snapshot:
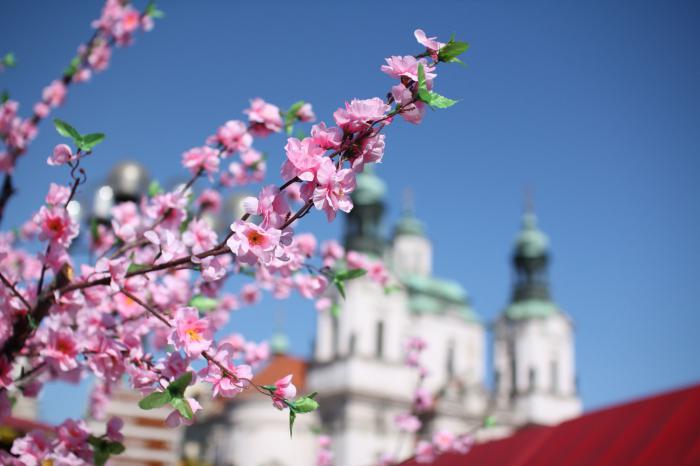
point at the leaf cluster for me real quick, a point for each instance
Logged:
(174, 394)
(84, 142)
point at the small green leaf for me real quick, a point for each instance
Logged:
(89, 141)
(423, 92)
(341, 287)
(292, 418)
(450, 51)
(155, 400)
(306, 404)
(134, 267)
(203, 303)
(439, 101)
(152, 11)
(154, 188)
(270, 388)
(100, 457)
(9, 60)
(489, 421)
(94, 231)
(72, 67)
(291, 116)
(115, 448)
(182, 407)
(178, 386)
(94, 441)
(66, 130)
(350, 274)
(335, 310)
(4, 97)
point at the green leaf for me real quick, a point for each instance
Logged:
(4, 97)
(72, 67)
(89, 141)
(439, 101)
(66, 130)
(115, 448)
(154, 188)
(182, 407)
(341, 287)
(450, 51)
(155, 400)
(100, 457)
(203, 303)
(9, 60)
(178, 386)
(292, 418)
(350, 274)
(306, 404)
(291, 116)
(423, 92)
(489, 421)
(134, 267)
(335, 310)
(270, 388)
(152, 11)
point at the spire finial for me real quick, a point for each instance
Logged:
(408, 208)
(279, 343)
(528, 199)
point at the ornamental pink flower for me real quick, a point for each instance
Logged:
(429, 43)
(116, 268)
(407, 423)
(105, 359)
(407, 66)
(32, 448)
(423, 400)
(223, 385)
(114, 427)
(306, 242)
(333, 190)
(306, 113)
(271, 205)
(233, 136)
(41, 110)
(126, 221)
(201, 158)
(62, 154)
(56, 225)
(209, 201)
(55, 93)
(443, 440)
(213, 268)
(284, 390)
(191, 333)
(327, 138)
(58, 195)
(264, 118)
(331, 251)
(372, 152)
(252, 243)
(412, 112)
(199, 236)
(359, 114)
(425, 452)
(303, 159)
(61, 350)
(310, 286)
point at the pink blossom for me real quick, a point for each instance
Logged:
(126, 221)
(223, 384)
(233, 136)
(303, 159)
(171, 207)
(61, 154)
(306, 242)
(333, 190)
(58, 195)
(284, 390)
(311, 286)
(425, 452)
(407, 423)
(331, 251)
(99, 56)
(323, 304)
(256, 353)
(117, 269)
(462, 444)
(114, 427)
(326, 138)
(106, 360)
(250, 294)
(56, 225)
(32, 448)
(372, 151)
(201, 158)
(264, 118)
(41, 110)
(443, 440)
(252, 243)
(213, 268)
(430, 43)
(306, 113)
(407, 66)
(359, 114)
(61, 350)
(423, 400)
(191, 333)
(412, 112)
(55, 93)
(209, 201)
(271, 205)
(199, 236)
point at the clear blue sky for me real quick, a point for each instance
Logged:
(595, 104)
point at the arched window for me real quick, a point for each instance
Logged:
(554, 376)
(450, 359)
(532, 379)
(379, 343)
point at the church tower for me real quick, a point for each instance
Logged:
(535, 373)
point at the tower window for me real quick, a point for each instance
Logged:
(352, 344)
(451, 359)
(379, 343)
(554, 376)
(532, 379)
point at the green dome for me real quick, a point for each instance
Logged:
(409, 225)
(279, 343)
(531, 241)
(531, 308)
(369, 188)
(430, 295)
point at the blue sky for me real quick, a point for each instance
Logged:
(596, 105)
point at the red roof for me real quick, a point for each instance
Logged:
(660, 430)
